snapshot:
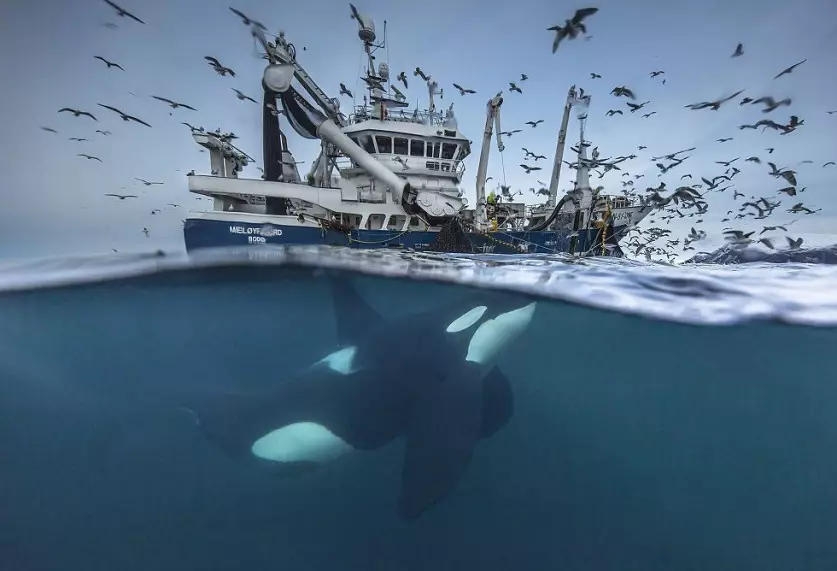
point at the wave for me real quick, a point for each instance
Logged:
(706, 294)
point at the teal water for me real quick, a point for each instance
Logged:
(664, 418)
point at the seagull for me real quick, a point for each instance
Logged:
(534, 123)
(219, 69)
(419, 73)
(173, 104)
(110, 64)
(77, 113)
(247, 21)
(647, 115)
(771, 104)
(656, 73)
(739, 50)
(345, 91)
(619, 91)
(121, 196)
(78, 139)
(243, 97)
(122, 12)
(571, 27)
(125, 117)
(89, 157)
(715, 105)
(462, 90)
(514, 87)
(105, 133)
(790, 69)
(402, 77)
(145, 182)
(595, 76)
(49, 130)
(523, 77)
(634, 107)
(529, 169)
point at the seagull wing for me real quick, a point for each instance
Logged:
(212, 61)
(131, 118)
(187, 106)
(114, 109)
(583, 13)
(169, 101)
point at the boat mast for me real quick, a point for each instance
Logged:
(492, 120)
(559, 150)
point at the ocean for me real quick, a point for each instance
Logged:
(665, 418)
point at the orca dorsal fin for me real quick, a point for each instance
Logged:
(351, 312)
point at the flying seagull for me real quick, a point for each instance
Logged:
(242, 97)
(77, 113)
(110, 64)
(462, 90)
(739, 50)
(790, 69)
(173, 104)
(121, 196)
(49, 129)
(219, 69)
(125, 117)
(571, 27)
(247, 21)
(122, 12)
(145, 182)
(88, 157)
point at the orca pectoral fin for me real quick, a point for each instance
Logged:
(352, 313)
(497, 402)
(442, 430)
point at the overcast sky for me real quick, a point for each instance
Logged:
(53, 201)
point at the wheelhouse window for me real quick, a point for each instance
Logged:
(433, 150)
(400, 146)
(448, 151)
(366, 142)
(416, 148)
(384, 144)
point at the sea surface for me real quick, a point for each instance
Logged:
(665, 418)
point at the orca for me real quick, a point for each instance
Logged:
(429, 377)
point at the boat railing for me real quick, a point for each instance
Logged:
(364, 113)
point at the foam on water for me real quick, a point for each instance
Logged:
(699, 294)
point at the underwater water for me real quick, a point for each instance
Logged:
(664, 418)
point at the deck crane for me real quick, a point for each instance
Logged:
(492, 121)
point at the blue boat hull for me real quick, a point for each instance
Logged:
(204, 233)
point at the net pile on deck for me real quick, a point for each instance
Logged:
(451, 238)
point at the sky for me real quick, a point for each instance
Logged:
(54, 203)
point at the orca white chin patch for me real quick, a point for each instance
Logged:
(494, 335)
(466, 320)
(300, 442)
(341, 361)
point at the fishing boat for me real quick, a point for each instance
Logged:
(390, 177)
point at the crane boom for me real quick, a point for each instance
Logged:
(492, 121)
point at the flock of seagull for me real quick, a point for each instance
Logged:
(688, 200)
(217, 66)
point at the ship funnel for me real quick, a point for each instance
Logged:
(277, 77)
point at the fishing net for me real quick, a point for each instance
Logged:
(451, 238)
